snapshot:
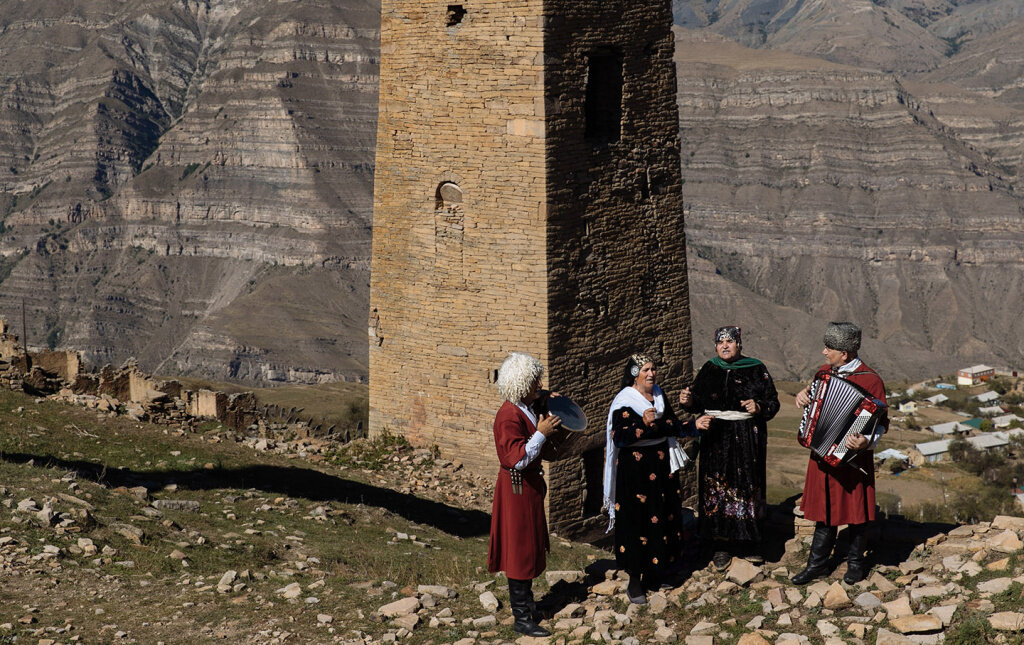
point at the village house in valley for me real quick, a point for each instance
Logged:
(974, 375)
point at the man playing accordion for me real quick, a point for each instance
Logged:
(843, 494)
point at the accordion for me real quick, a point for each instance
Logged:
(838, 408)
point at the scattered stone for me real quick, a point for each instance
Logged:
(1007, 621)
(572, 610)
(664, 633)
(700, 639)
(1008, 522)
(438, 591)
(916, 624)
(28, 505)
(132, 533)
(898, 608)
(859, 630)
(409, 621)
(607, 587)
(1005, 542)
(911, 566)
(554, 577)
(489, 601)
(657, 603)
(943, 613)
(752, 638)
(995, 585)
(917, 594)
(826, 628)
(704, 627)
(998, 565)
(189, 505)
(400, 607)
(485, 621)
(742, 572)
(885, 637)
(294, 590)
(227, 580)
(867, 600)
(836, 597)
(87, 546)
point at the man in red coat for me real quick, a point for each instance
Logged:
(519, 530)
(845, 494)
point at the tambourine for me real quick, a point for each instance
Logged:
(572, 416)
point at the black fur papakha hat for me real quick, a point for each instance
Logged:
(842, 336)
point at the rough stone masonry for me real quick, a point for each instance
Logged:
(527, 197)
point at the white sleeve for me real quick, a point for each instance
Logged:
(533, 447)
(873, 439)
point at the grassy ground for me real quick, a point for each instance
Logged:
(272, 519)
(124, 558)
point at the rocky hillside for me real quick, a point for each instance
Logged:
(847, 170)
(113, 530)
(189, 182)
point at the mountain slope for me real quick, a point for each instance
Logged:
(162, 158)
(829, 192)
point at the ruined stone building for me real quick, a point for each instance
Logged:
(527, 198)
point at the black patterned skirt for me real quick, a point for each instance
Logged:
(648, 510)
(732, 481)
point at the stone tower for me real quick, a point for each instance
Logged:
(527, 197)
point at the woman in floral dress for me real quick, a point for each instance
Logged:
(739, 396)
(641, 494)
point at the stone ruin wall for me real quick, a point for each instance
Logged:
(457, 280)
(62, 375)
(554, 243)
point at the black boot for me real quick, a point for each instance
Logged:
(520, 597)
(817, 562)
(856, 562)
(635, 589)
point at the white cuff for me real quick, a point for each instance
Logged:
(533, 447)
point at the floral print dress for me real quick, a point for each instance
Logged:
(648, 527)
(731, 479)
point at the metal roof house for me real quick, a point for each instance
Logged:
(934, 451)
(950, 427)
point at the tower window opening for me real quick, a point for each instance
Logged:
(455, 14)
(603, 104)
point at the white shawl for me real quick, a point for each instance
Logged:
(630, 397)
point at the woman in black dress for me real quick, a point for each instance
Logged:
(640, 493)
(736, 397)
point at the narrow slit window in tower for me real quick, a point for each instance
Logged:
(603, 105)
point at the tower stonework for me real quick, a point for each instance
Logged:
(527, 197)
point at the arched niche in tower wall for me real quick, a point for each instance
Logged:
(449, 227)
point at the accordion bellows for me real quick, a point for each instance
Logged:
(838, 408)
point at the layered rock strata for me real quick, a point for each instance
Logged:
(825, 192)
(169, 166)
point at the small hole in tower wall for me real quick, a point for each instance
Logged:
(455, 14)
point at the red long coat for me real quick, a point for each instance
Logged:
(519, 530)
(844, 495)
